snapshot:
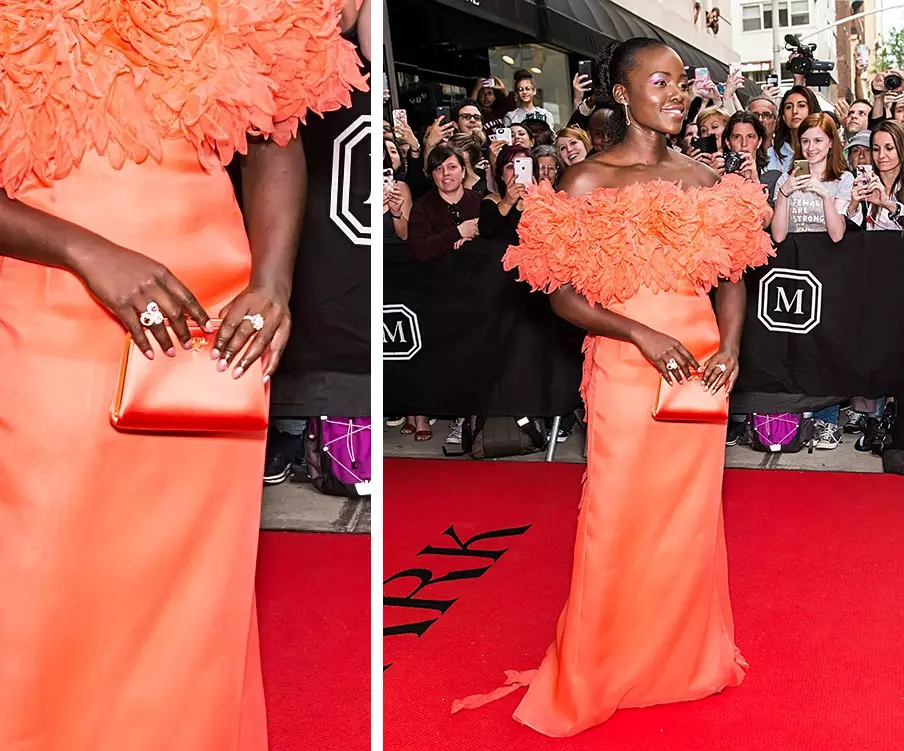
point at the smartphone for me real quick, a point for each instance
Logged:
(488, 83)
(399, 117)
(801, 167)
(864, 174)
(445, 112)
(502, 134)
(720, 87)
(524, 169)
(707, 144)
(734, 68)
(585, 68)
(689, 72)
(701, 74)
(388, 179)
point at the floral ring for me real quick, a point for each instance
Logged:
(151, 316)
(722, 366)
(672, 364)
(256, 321)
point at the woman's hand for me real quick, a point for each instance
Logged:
(721, 371)
(404, 133)
(717, 162)
(876, 194)
(515, 191)
(793, 184)
(495, 148)
(700, 156)
(580, 85)
(812, 185)
(734, 83)
(468, 229)
(748, 168)
(660, 349)
(235, 332)
(126, 283)
(395, 201)
(437, 133)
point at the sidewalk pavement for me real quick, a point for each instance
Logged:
(842, 459)
(300, 508)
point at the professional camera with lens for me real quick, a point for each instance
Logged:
(816, 71)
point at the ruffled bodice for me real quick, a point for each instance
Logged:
(119, 76)
(611, 242)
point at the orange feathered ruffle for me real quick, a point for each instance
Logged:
(609, 243)
(119, 76)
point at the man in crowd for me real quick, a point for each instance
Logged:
(469, 119)
(765, 110)
(525, 92)
(858, 150)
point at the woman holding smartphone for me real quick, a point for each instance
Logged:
(797, 104)
(881, 192)
(814, 198)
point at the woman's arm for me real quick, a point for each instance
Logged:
(834, 209)
(274, 190)
(782, 214)
(400, 219)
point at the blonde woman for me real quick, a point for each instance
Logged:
(572, 145)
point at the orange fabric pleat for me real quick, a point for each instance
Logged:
(648, 618)
(127, 618)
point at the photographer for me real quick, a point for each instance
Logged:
(797, 104)
(396, 196)
(883, 86)
(745, 135)
(500, 212)
(859, 151)
(493, 101)
(710, 122)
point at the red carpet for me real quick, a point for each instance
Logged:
(313, 604)
(816, 564)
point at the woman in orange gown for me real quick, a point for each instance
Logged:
(629, 250)
(127, 619)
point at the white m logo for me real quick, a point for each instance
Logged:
(797, 301)
(790, 301)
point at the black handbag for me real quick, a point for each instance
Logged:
(498, 437)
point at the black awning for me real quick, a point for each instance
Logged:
(518, 15)
(587, 26)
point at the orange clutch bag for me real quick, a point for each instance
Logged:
(186, 393)
(690, 402)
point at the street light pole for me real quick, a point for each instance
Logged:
(776, 42)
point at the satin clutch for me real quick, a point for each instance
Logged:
(690, 402)
(186, 393)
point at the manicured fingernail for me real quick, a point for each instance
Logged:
(208, 327)
(237, 373)
(187, 345)
(149, 354)
(266, 379)
(214, 354)
(222, 365)
(171, 352)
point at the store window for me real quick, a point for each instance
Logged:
(550, 69)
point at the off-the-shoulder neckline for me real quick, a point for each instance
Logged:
(657, 182)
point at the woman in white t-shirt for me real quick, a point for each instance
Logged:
(814, 202)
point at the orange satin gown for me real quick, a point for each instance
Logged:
(127, 618)
(648, 618)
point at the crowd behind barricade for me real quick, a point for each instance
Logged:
(831, 172)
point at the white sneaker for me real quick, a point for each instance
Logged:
(455, 432)
(827, 435)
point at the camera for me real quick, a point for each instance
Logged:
(816, 71)
(893, 82)
(732, 161)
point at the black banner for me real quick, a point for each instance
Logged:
(825, 319)
(463, 337)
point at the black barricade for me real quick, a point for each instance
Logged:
(462, 337)
(827, 318)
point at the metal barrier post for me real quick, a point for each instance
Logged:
(553, 436)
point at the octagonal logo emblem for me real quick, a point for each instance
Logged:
(350, 189)
(401, 333)
(790, 301)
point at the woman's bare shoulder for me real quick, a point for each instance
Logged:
(694, 174)
(588, 176)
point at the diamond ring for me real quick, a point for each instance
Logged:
(672, 364)
(722, 366)
(151, 316)
(256, 321)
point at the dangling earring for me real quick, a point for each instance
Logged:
(627, 119)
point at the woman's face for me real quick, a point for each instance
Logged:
(691, 132)
(712, 126)
(448, 176)
(795, 110)
(815, 145)
(885, 155)
(858, 155)
(598, 122)
(521, 137)
(657, 91)
(572, 150)
(549, 170)
(744, 139)
(486, 98)
(395, 159)
(898, 112)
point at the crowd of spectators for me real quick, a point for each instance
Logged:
(831, 172)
